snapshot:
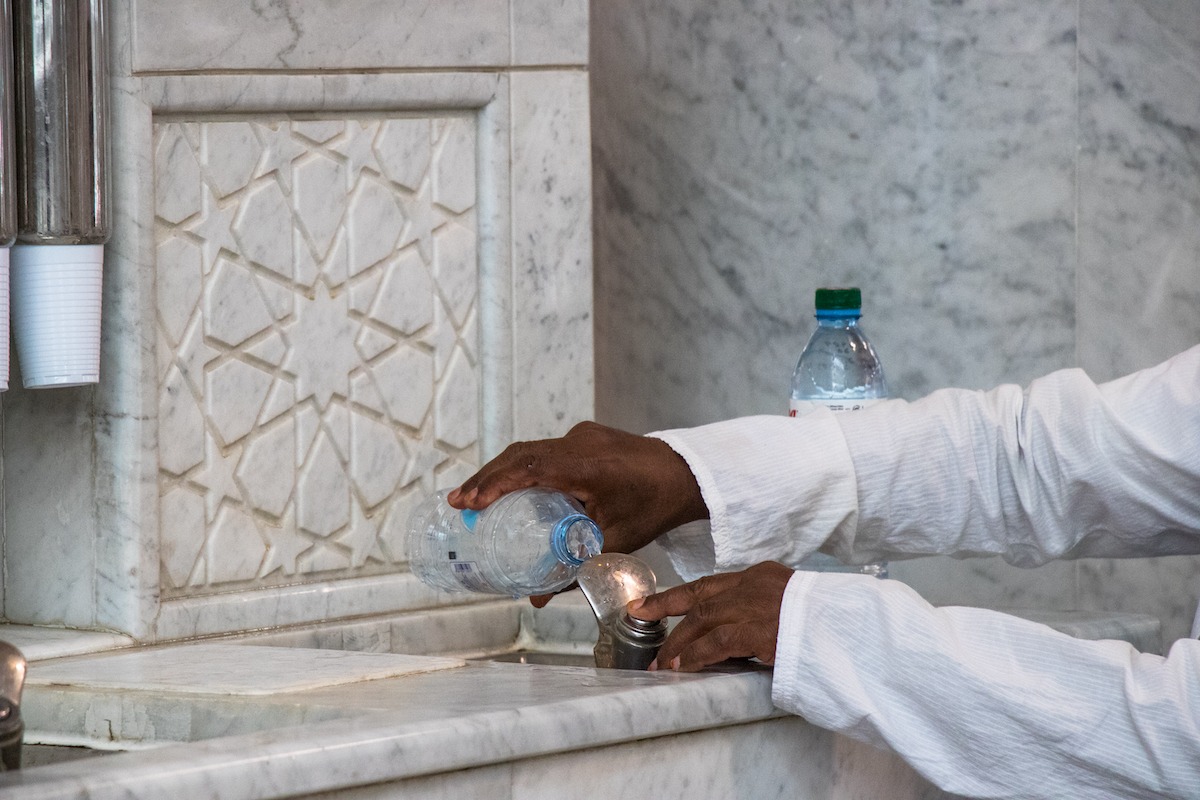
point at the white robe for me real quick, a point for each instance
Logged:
(981, 703)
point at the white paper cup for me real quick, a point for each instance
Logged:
(56, 313)
(3, 319)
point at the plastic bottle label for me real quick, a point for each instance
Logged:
(798, 408)
(467, 574)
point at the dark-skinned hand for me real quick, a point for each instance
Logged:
(728, 615)
(634, 487)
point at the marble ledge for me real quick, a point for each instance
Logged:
(39, 644)
(433, 723)
(179, 35)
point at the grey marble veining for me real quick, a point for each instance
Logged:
(747, 154)
(430, 723)
(37, 644)
(231, 669)
(381, 34)
(1139, 183)
(1014, 186)
(229, 36)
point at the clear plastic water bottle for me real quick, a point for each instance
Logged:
(839, 370)
(531, 541)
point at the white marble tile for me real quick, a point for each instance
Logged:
(276, 338)
(1139, 184)
(181, 36)
(550, 32)
(49, 524)
(189, 617)
(391, 729)
(40, 643)
(1166, 588)
(745, 156)
(236, 669)
(494, 783)
(990, 583)
(552, 254)
(784, 758)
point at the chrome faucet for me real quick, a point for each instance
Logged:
(12, 729)
(610, 581)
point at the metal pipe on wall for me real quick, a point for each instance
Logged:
(8, 204)
(63, 218)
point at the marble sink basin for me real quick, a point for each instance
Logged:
(94, 703)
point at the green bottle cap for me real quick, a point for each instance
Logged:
(848, 299)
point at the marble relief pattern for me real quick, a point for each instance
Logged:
(317, 341)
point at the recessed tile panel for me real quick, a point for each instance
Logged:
(316, 289)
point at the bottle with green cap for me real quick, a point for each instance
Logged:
(531, 541)
(839, 370)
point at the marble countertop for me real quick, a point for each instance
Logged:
(394, 728)
(257, 722)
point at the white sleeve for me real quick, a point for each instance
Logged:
(1063, 468)
(984, 704)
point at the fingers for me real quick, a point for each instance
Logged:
(682, 599)
(564, 464)
(733, 615)
(723, 643)
(518, 467)
(541, 600)
(634, 487)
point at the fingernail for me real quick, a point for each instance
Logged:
(675, 663)
(634, 605)
(653, 666)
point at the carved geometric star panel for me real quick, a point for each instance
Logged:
(318, 372)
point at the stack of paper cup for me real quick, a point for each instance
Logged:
(3, 319)
(56, 313)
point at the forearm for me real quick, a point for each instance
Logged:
(1063, 468)
(984, 704)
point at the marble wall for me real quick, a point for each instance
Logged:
(1016, 187)
(351, 260)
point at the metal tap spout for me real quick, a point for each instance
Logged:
(12, 728)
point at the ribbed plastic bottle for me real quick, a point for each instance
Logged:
(839, 370)
(531, 541)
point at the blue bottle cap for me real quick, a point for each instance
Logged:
(576, 538)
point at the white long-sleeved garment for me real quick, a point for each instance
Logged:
(981, 703)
